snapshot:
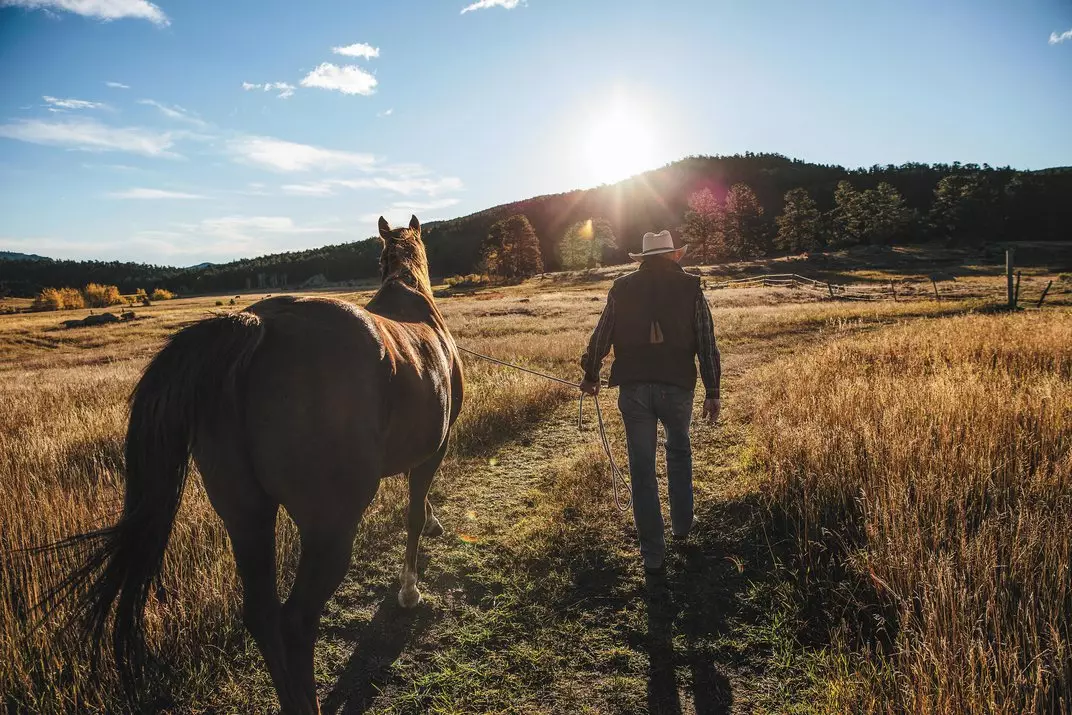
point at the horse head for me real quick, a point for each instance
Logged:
(403, 257)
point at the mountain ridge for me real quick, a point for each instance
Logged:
(652, 200)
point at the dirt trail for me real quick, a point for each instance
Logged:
(582, 622)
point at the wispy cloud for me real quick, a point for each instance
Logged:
(386, 112)
(1055, 38)
(234, 236)
(348, 79)
(407, 186)
(153, 194)
(175, 112)
(90, 135)
(72, 103)
(399, 211)
(484, 4)
(117, 85)
(280, 155)
(100, 9)
(285, 90)
(358, 49)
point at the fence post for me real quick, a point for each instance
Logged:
(1044, 292)
(1016, 293)
(830, 288)
(893, 290)
(1009, 292)
(935, 284)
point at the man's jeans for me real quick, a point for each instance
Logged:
(643, 406)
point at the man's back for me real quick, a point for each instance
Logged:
(653, 335)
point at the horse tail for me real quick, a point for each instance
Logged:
(190, 380)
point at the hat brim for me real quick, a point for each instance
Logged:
(679, 253)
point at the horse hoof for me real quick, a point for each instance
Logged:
(409, 598)
(433, 528)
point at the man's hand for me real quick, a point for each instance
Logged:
(711, 407)
(589, 388)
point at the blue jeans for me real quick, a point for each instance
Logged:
(643, 406)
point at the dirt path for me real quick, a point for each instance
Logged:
(569, 627)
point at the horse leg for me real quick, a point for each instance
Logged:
(432, 526)
(326, 551)
(249, 515)
(253, 541)
(420, 481)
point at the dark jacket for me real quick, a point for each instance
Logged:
(654, 336)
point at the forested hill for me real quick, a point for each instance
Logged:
(998, 203)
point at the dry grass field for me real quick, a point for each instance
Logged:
(884, 522)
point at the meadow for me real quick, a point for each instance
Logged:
(883, 521)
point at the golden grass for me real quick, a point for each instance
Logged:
(63, 394)
(61, 455)
(934, 461)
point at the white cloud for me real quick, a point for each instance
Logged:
(358, 49)
(399, 212)
(175, 112)
(117, 85)
(386, 112)
(285, 90)
(321, 188)
(100, 9)
(72, 103)
(484, 4)
(348, 80)
(90, 135)
(280, 155)
(1055, 38)
(406, 186)
(153, 194)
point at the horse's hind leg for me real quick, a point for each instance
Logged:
(420, 481)
(249, 515)
(326, 550)
(432, 526)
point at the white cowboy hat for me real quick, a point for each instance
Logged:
(656, 244)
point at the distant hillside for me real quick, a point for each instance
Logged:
(658, 199)
(1020, 205)
(13, 256)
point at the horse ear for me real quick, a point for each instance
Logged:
(385, 229)
(414, 223)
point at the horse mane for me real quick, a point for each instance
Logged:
(404, 260)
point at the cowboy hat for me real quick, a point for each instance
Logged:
(656, 244)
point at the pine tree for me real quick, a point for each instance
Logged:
(965, 209)
(886, 217)
(744, 230)
(584, 244)
(847, 218)
(800, 225)
(511, 248)
(703, 228)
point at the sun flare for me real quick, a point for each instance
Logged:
(620, 143)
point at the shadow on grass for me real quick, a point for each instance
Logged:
(377, 645)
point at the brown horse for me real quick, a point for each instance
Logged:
(301, 402)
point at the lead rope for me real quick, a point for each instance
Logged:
(619, 482)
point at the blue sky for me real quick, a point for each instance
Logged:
(181, 132)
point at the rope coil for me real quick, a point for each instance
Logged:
(619, 481)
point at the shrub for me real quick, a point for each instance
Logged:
(58, 299)
(101, 296)
(473, 280)
(219, 303)
(161, 294)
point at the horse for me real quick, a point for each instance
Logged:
(304, 403)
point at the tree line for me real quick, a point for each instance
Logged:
(748, 205)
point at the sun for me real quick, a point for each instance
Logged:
(619, 144)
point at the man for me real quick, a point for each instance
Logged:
(658, 322)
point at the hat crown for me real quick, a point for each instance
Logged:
(661, 241)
